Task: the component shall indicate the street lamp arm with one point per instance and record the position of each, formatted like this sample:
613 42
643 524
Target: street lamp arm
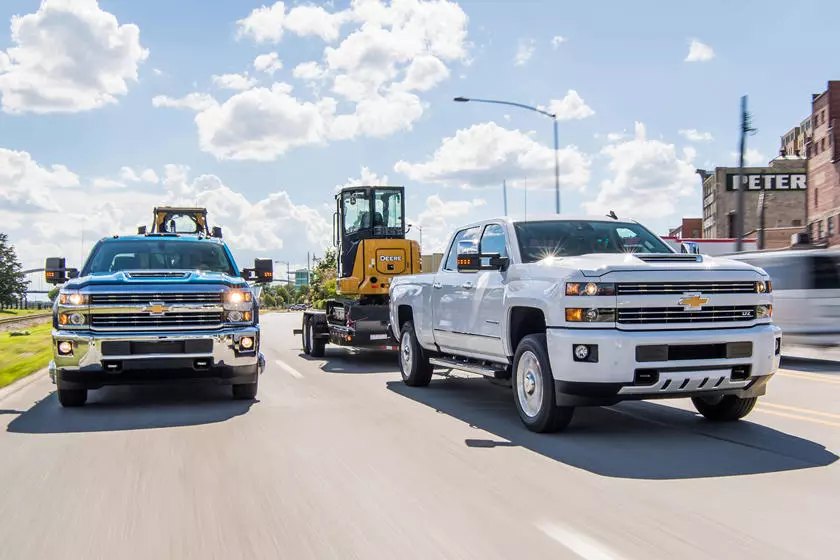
511 103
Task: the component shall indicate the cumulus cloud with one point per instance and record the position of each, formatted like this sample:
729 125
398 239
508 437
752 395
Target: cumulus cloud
693 135
268 63
486 154
648 178
375 73
571 107
752 157
194 101
237 82
557 40
440 216
699 52
26 185
127 174
105 183
524 51
69 56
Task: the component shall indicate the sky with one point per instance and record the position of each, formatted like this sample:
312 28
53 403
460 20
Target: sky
260 111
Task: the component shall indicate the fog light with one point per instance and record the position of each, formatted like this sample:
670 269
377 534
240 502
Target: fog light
77 319
246 342
234 316
65 348
581 352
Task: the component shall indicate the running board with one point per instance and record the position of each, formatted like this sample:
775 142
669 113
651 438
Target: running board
470 367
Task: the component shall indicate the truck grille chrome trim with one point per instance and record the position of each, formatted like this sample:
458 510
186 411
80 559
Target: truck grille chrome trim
145 298
174 320
655 288
670 315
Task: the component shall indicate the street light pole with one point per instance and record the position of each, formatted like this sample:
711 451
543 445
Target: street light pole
553 116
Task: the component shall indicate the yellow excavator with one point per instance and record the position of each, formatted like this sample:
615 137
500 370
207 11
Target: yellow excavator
369 235
181 220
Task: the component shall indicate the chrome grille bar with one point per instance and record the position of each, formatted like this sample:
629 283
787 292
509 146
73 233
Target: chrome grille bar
654 288
669 315
146 298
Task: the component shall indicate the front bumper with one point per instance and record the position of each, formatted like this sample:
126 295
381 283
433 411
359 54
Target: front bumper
114 358
621 374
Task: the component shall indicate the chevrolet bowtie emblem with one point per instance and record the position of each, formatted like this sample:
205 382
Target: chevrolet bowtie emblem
156 308
693 302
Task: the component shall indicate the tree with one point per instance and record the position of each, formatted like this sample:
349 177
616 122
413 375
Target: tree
52 294
323 278
13 283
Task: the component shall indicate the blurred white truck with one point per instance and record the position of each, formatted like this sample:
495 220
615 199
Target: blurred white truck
588 312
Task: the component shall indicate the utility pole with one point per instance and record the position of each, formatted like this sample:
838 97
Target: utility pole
746 128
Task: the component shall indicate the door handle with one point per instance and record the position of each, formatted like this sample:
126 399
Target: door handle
437 285
467 285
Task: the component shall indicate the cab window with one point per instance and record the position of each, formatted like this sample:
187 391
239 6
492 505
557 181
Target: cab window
452 257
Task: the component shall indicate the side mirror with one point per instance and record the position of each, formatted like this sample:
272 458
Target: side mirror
217 232
264 270
72 273
690 247
55 271
141 230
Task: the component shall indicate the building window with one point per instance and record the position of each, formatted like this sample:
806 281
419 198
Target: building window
822 145
816 197
820 229
831 226
796 223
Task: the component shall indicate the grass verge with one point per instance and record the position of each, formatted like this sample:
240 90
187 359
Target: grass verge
22 355
9 313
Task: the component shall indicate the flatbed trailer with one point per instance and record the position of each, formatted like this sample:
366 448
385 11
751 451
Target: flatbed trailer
349 324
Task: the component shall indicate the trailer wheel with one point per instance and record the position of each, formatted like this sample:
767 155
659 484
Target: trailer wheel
306 341
316 345
414 361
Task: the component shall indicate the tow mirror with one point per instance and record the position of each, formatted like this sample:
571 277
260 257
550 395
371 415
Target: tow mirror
690 247
217 232
56 271
264 270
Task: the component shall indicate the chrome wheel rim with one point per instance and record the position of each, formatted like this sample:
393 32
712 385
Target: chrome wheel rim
311 335
529 384
405 354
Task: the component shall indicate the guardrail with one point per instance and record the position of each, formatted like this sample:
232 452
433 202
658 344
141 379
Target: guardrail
18 318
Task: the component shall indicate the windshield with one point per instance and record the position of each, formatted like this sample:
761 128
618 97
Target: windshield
538 240
356 211
162 254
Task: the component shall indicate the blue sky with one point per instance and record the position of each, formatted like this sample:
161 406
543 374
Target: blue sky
85 95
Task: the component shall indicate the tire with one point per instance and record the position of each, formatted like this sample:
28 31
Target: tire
246 391
71 398
414 361
533 388
724 409
316 345
305 342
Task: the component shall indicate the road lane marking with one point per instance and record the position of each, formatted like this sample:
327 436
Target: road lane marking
811 377
802 410
289 369
582 545
797 417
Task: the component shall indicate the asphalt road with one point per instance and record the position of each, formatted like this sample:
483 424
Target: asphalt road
338 459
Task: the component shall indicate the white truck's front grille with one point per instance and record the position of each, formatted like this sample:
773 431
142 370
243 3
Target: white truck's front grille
673 315
653 288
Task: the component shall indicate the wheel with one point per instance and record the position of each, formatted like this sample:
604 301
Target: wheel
316 345
414 362
307 346
533 388
246 391
724 409
72 397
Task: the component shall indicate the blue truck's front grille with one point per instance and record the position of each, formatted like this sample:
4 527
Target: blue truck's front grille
176 320
146 298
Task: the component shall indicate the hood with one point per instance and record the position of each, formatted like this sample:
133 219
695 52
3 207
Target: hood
146 278
599 264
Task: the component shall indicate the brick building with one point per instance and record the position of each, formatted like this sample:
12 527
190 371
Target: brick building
784 184
823 216
690 228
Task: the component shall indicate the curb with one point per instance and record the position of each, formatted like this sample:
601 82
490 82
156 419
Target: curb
21 383
808 360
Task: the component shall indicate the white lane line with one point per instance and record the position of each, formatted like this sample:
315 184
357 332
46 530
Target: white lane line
582 545
289 369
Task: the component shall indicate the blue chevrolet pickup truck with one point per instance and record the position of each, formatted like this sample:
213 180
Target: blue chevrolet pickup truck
156 307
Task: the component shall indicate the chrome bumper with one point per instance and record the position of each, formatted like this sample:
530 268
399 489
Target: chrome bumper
88 355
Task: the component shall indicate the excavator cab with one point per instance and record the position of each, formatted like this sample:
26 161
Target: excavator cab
369 234
181 220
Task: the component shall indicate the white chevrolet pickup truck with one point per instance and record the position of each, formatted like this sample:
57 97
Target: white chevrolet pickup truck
589 312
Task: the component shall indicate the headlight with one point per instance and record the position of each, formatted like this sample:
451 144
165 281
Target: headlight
72 298
238 296
764 287
589 289
72 319
763 311
592 315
